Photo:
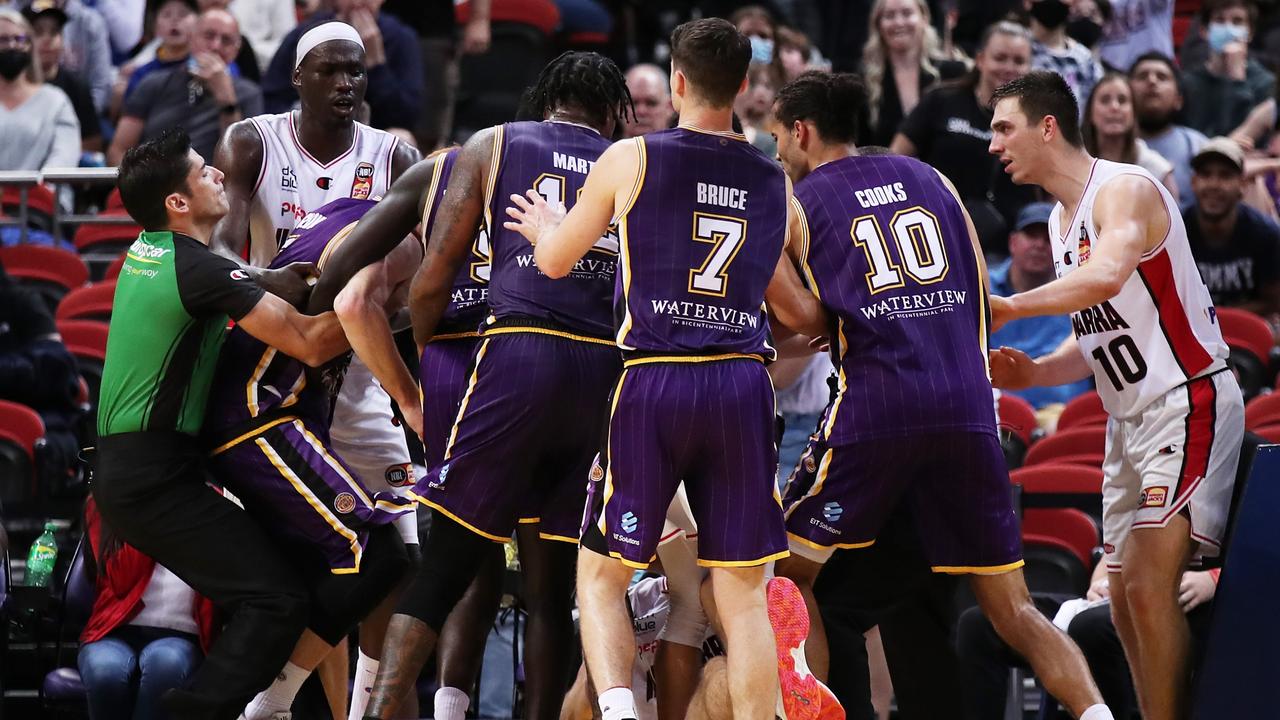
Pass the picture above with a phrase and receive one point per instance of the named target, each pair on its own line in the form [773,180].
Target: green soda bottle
[43,555]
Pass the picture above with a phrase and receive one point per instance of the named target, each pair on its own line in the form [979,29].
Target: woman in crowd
[1111,130]
[901,60]
[950,129]
[37,123]
[147,632]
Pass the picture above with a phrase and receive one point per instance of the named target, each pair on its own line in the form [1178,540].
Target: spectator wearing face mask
[1230,83]
[759,26]
[47,20]
[37,123]
[1054,50]
[1087,21]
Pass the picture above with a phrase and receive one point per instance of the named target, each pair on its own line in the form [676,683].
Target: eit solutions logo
[629,522]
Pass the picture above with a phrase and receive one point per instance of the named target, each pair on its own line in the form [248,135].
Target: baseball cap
[40,8]
[1037,213]
[1223,148]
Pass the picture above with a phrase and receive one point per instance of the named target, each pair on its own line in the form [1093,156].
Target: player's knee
[1146,592]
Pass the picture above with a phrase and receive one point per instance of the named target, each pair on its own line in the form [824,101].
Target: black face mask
[1050,13]
[13,62]
[1084,31]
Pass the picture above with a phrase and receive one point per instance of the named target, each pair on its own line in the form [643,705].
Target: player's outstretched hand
[1012,369]
[1001,312]
[534,218]
[291,283]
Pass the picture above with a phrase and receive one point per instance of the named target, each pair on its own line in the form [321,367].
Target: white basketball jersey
[1161,330]
[292,183]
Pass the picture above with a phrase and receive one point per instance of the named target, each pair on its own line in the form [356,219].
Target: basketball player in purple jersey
[913,420]
[702,221]
[416,198]
[530,420]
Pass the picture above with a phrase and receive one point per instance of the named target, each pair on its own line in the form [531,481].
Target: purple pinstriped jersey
[888,252]
[553,158]
[468,301]
[699,245]
[255,381]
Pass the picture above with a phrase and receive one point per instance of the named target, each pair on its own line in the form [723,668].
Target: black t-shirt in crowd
[1236,271]
[77,91]
[428,18]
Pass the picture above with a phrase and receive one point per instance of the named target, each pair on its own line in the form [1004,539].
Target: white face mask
[1221,35]
[761,50]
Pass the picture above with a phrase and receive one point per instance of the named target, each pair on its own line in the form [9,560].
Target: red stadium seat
[1071,528]
[1243,329]
[85,338]
[50,271]
[113,270]
[91,302]
[92,235]
[21,429]
[1270,432]
[1056,478]
[1018,417]
[1083,410]
[1082,441]
[114,201]
[1262,410]
[39,199]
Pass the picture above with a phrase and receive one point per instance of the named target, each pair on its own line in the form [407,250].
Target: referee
[172,303]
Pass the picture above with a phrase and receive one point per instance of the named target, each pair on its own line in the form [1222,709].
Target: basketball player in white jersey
[1145,328]
[281,167]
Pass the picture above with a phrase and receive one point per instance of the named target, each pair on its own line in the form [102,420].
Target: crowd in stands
[1186,90]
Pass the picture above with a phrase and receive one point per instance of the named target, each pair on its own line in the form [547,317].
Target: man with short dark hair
[172,305]
[1145,329]
[1231,82]
[1157,100]
[201,95]
[1236,247]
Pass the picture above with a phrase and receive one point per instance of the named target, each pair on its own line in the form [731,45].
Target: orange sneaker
[803,696]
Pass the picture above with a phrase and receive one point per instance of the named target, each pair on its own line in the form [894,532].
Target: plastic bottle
[43,556]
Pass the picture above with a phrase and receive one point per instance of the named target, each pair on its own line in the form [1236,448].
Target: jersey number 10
[918,238]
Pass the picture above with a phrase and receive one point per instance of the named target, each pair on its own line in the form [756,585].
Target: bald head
[217,32]
[651,93]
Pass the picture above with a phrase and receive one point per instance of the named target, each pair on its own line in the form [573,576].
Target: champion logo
[629,522]
[1168,450]
[832,511]
[239,275]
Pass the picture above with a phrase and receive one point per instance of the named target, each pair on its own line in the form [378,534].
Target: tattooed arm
[451,237]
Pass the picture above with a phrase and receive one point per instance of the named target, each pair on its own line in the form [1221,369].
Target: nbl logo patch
[400,475]
[344,503]
[1153,497]
[362,185]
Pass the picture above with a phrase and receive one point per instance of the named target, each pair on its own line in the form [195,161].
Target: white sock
[1097,712]
[366,673]
[279,696]
[617,703]
[451,704]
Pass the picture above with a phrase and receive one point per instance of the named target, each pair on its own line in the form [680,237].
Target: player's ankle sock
[1097,712]
[278,697]
[366,673]
[617,703]
[451,704]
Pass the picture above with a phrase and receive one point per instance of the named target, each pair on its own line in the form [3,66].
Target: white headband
[323,34]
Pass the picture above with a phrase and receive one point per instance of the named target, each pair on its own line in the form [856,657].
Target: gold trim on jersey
[455,336]
[558,538]
[333,243]
[718,133]
[547,331]
[624,245]
[252,433]
[251,387]
[495,165]
[804,228]
[455,518]
[977,569]
[690,359]
[824,467]
[744,563]
[466,399]
[301,488]
[429,206]
[603,524]
[984,300]
[843,386]
[792,537]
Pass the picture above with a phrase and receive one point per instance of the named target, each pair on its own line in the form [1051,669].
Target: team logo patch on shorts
[1153,496]
[810,465]
[1108,548]
[832,511]
[400,475]
[597,471]
[629,522]
[344,503]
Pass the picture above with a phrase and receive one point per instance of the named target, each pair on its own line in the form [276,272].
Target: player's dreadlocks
[586,81]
